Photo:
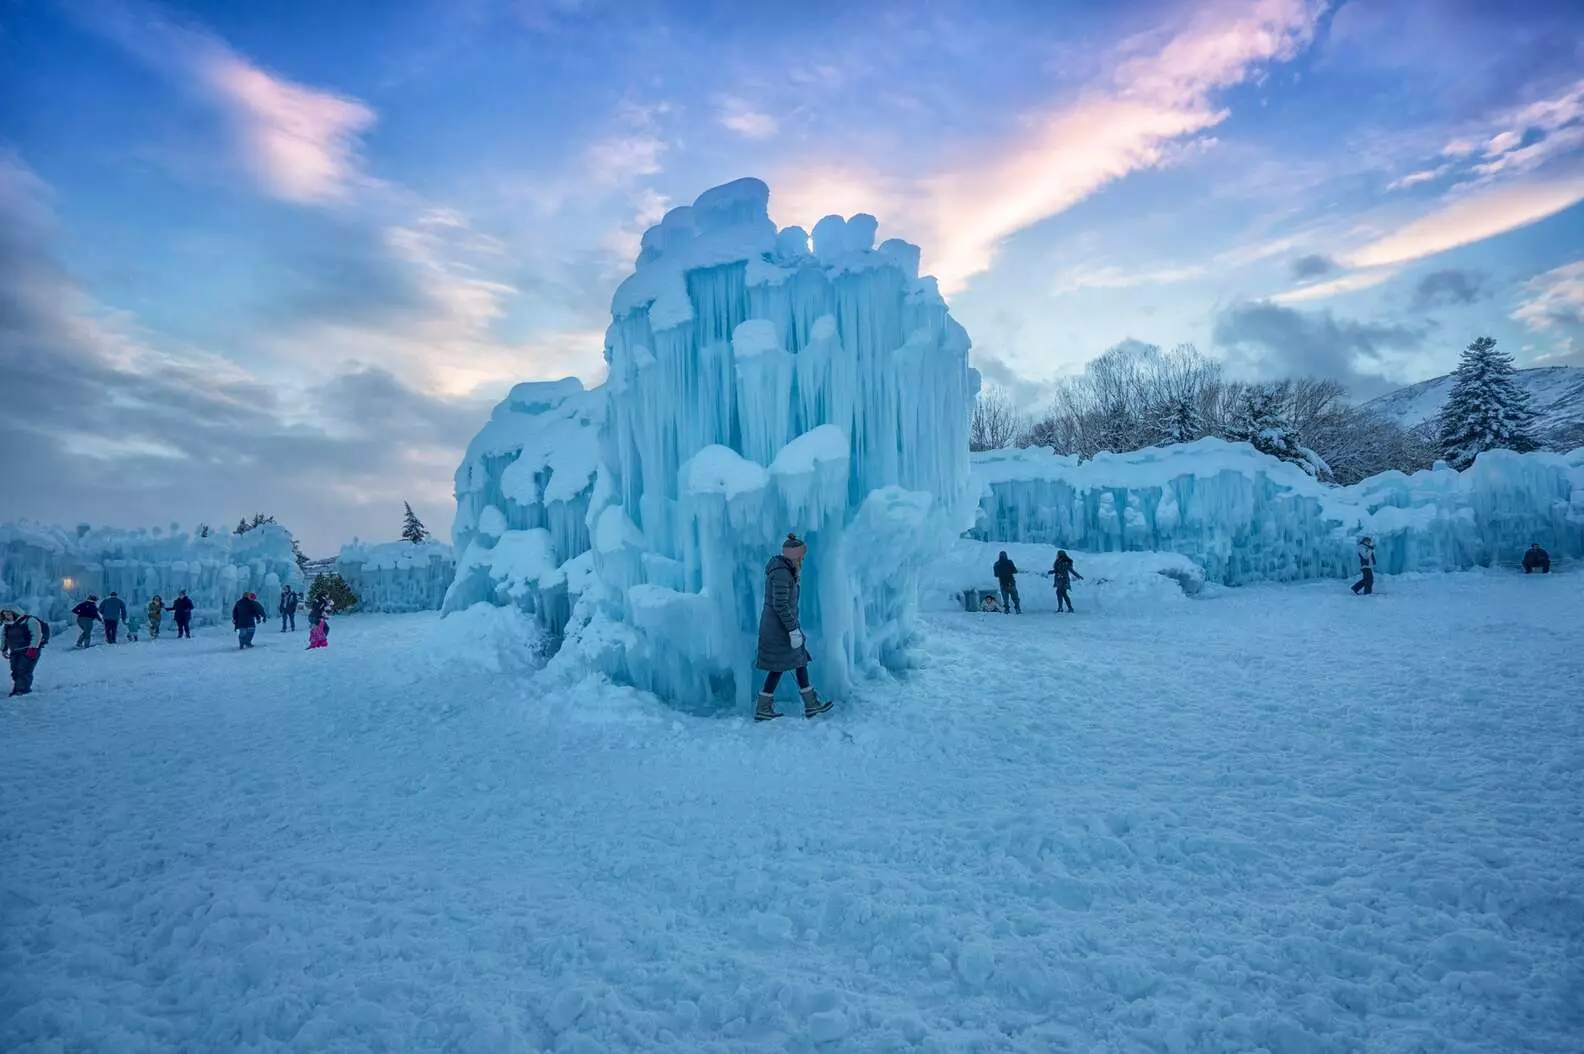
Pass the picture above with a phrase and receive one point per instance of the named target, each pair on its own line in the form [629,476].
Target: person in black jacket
[1062,574]
[87,614]
[21,638]
[1006,577]
[1536,559]
[181,611]
[246,614]
[288,608]
[112,613]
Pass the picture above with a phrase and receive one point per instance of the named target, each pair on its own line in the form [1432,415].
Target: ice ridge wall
[760,382]
[397,576]
[47,570]
[1245,517]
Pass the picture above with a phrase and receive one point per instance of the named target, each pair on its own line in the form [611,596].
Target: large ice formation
[1244,517]
[758,385]
[397,576]
[47,570]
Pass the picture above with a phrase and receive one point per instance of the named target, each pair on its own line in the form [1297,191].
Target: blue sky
[285,255]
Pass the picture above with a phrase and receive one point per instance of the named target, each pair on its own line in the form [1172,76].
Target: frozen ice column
[757,387]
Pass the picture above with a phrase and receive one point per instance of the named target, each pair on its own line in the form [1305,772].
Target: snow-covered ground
[1277,818]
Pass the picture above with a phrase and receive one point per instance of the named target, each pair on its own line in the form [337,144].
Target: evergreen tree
[1261,421]
[1178,420]
[259,520]
[412,527]
[334,587]
[1486,410]
[299,556]
[203,530]
[242,527]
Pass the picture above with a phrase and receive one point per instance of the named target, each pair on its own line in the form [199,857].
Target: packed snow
[757,387]
[1275,818]
[47,570]
[1244,517]
[398,576]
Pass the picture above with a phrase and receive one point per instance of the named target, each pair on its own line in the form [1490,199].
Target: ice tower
[758,385]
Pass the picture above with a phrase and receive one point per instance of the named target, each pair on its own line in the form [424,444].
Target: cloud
[1271,341]
[1470,218]
[102,420]
[1074,279]
[298,143]
[1349,283]
[1413,179]
[1533,135]
[1312,266]
[1553,306]
[1161,93]
[1448,288]
[747,122]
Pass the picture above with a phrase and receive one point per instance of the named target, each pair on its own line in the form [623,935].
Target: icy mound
[47,570]
[1244,517]
[1111,581]
[397,576]
[756,387]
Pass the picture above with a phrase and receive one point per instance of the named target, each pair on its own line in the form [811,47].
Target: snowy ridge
[1556,395]
[46,570]
[1244,516]
[758,385]
[397,576]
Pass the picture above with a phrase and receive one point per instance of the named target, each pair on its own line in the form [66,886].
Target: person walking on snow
[1536,559]
[1006,577]
[112,613]
[21,639]
[288,608]
[156,611]
[319,606]
[181,611]
[1062,573]
[1366,556]
[781,643]
[246,614]
[87,614]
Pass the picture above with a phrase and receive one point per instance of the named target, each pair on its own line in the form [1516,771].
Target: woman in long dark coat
[781,644]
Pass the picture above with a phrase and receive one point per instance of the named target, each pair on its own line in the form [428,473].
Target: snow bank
[1111,581]
[755,388]
[397,576]
[1244,517]
[47,570]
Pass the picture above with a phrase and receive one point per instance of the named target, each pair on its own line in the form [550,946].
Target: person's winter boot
[813,705]
[765,710]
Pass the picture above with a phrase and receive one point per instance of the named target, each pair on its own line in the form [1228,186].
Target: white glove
[796,637]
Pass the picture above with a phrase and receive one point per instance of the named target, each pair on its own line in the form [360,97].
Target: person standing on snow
[1366,556]
[181,611]
[1062,573]
[156,611]
[246,614]
[1006,577]
[319,606]
[288,608]
[112,613]
[781,643]
[21,639]
[87,614]
[1536,559]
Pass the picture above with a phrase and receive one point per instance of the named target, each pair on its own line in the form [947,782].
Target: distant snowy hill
[1556,393]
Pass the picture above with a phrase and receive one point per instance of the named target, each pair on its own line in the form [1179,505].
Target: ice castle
[759,382]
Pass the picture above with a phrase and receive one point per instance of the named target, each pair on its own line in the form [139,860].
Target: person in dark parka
[1536,559]
[288,608]
[21,638]
[87,614]
[781,644]
[112,613]
[1006,577]
[1365,586]
[1062,573]
[246,614]
[181,611]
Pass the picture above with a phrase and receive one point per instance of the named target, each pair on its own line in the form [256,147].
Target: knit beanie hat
[793,547]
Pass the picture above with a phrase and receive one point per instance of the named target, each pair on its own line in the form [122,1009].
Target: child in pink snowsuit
[318,637]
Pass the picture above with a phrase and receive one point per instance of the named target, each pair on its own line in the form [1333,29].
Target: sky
[284,256]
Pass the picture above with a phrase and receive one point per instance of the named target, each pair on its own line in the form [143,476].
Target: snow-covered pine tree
[242,527]
[1261,421]
[1486,410]
[1178,420]
[299,557]
[412,527]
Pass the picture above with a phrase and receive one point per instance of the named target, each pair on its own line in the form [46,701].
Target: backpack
[17,636]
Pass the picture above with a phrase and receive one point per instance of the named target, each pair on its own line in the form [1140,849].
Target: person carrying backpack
[1062,573]
[87,614]
[1006,577]
[22,637]
[181,611]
